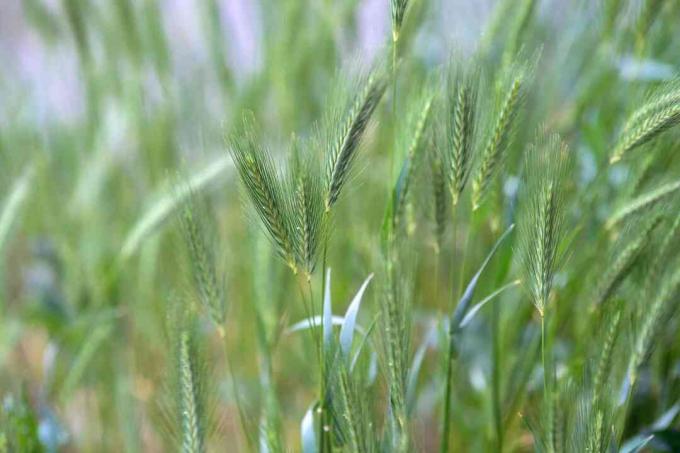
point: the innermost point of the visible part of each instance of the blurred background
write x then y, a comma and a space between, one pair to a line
105, 104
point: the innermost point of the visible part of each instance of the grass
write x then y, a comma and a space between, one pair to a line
508, 197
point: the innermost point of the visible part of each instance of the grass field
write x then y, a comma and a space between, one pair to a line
339, 226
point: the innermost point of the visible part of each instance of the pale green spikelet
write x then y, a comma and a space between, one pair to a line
347, 136
497, 143
265, 189
647, 200
659, 113
653, 320
417, 137
541, 225
617, 271
461, 131
308, 206
603, 367
395, 320
191, 416
202, 257
398, 11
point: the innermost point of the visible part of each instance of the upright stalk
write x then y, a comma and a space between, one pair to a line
495, 377
324, 434
444, 448
395, 40
447, 395
543, 357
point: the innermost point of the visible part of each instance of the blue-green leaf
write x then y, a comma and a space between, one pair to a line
307, 432
327, 312
473, 311
347, 329
465, 300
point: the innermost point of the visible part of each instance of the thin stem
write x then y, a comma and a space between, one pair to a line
444, 448
495, 376
447, 395
466, 247
324, 435
543, 358
395, 40
436, 276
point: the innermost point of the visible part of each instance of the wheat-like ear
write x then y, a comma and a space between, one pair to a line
439, 193
307, 192
501, 133
462, 107
189, 399
541, 223
395, 320
398, 11
602, 369
647, 200
264, 188
193, 221
660, 112
347, 136
417, 135
653, 320
617, 271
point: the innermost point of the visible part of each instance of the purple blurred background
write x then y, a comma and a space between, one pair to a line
45, 76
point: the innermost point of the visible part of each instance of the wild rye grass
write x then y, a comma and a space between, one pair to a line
508, 201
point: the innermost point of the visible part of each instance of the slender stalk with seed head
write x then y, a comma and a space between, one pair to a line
461, 131
347, 137
659, 113
541, 228
308, 219
618, 270
647, 200
202, 258
605, 359
191, 416
494, 151
265, 190
417, 134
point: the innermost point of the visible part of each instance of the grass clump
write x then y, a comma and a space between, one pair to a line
438, 195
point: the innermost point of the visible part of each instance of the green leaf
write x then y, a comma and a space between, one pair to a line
347, 329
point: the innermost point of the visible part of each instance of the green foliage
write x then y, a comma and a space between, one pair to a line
413, 173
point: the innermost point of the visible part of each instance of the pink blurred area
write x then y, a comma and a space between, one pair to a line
41, 78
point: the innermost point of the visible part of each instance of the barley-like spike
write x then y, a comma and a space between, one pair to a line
440, 194
202, 261
653, 322
624, 261
498, 141
353, 412
649, 128
461, 134
660, 112
265, 189
395, 319
541, 226
596, 434
190, 407
309, 210
397, 10
605, 359
343, 150
646, 200
417, 136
